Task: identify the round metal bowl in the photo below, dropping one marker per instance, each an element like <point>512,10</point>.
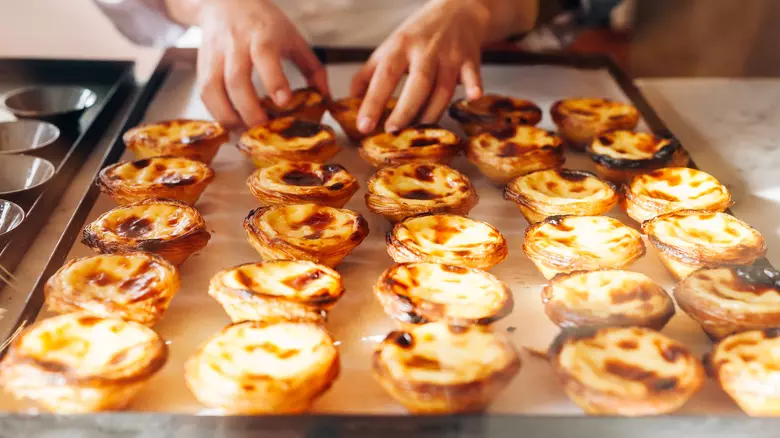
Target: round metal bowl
<point>23,175</point>
<point>22,136</point>
<point>11,215</point>
<point>59,105</point>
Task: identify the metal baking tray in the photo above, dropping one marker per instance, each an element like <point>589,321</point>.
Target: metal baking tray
<point>533,404</point>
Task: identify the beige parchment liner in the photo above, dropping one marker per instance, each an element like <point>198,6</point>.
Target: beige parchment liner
<point>357,322</point>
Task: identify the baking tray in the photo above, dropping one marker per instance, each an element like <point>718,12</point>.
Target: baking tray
<point>111,81</point>
<point>533,404</point>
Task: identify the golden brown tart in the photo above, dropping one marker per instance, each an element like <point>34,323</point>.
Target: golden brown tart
<point>258,367</point>
<point>345,112</point>
<point>621,155</point>
<point>438,368</point>
<point>415,144</point>
<point>175,178</point>
<point>553,192</point>
<point>305,104</point>
<point>675,188</point>
<point>80,363</point>
<point>732,299</point>
<point>688,240</point>
<point>607,297</point>
<point>628,371</point>
<point>449,239</point>
<point>562,244</point>
<point>492,112</point>
<point>408,190</point>
<point>288,139</point>
<point>280,289</point>
<point>305,232</point>
<point>170,229</point>
<point>579,120</point>
<point>303,182</point>
<point>134,287</point>
<point>417,293</point>
<point>194,139</point>
<point>747,367</point>
<point>513,151</point>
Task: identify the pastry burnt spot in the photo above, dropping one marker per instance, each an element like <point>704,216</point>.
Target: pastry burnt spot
<point>306,104</point>
<point>288,139</point>
<point>194,139</point>
<point>621,155</point>
<point>492,112</point>
<point>580,120</point>
<point>303,182</point>
<point>421,143</point>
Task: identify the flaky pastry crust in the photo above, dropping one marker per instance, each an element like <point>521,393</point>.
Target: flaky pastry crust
<point>194,139</point>
<point>493,112</point>
<point>621,155</point>
<point>288,139</point>
<point>579,120</point>
<point>414,144</point>
<point>303,182</point>
<point>345,112</point>
<point>305,104</point>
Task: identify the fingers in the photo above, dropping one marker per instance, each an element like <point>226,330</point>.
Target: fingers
<point>268,63</point>
<point>471,79</point>
<point>383,82</point>
<point>311,67</point>
<point>414,95</point>
<point>241,90</point>
<point>362,79</point>
<point>211,74</point>
<point>446,81</point>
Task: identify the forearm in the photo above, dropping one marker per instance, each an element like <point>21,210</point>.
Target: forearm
<point>185,12</point>
<point>509,17</point>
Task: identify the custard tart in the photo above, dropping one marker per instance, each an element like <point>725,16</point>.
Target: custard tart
<point>621,155</point>
<point>175,178</point>
<point>688,240</point>
<point>305,232</point>
<point>408,190</point>
<point>80,363</point>
<point>303,182</point>
<point>281,289</point>
<point>562,244</point>
<point>493,112</point>
<point>288,139</point>
<point>415,144</point>
<point>579,120</point>
<point>553,192</point>
<point>513,151</point>
<point>194,139</point>
<point>449,239</point>
<point>134,287</point>
<point>417,293</point>
<point>607,297</point>
<point>345,112</point>
<point>732,299</point>
<point>675,188</point>
<point>305,104</point>
<point>438,368</point>
<point>627,371</point>
<point>170,229</point>
<point>747,367</point>
<point>258,367</point>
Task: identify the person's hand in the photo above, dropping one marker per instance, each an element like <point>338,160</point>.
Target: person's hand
<point>239,35</point>
<point>438,46</point>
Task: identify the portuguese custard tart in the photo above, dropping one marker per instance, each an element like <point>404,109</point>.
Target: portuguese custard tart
<point>688,240</point>
<point>731,299</point>
<point>438,368</point>
<point>747,366</point>
<point>345,112</point>
<point>562,244</point>
<point>280,289</point>
<point>194,139</point>
<point>493,112</point>
<point>628,371</point>
<point>134,287</point>
<point>417,293</point>
<point>258,367</point>
<point>175,178</point>
<point>306,104</point>
<point>408,190</point>
<point>305,232</point>
<point>675,188</point>
<point>621,155</point>
<point>415,144</point>
<point>579,120</point>
<point>303,182</point>
<point>555,192</point>
<point>513,151</point>
<point>288,139</point>
<point>170,229</point>
<point>81,363</point>
<point>449,239</point>
<point>607,297</point>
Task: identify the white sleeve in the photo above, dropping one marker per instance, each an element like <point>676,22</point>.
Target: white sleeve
<point>144,22</point>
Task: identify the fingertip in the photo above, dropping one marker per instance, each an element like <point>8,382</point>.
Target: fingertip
<point>365,124</point>
<point>473,92</point>
<point>282,96</point>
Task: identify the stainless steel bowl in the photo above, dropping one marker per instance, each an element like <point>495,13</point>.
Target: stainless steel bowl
<point>22,136</point>
<point>23,175</point>
<point>11,215</point>
<point>56,104</point>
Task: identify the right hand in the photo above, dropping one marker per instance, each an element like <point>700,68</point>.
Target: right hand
<point>239,35</point>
